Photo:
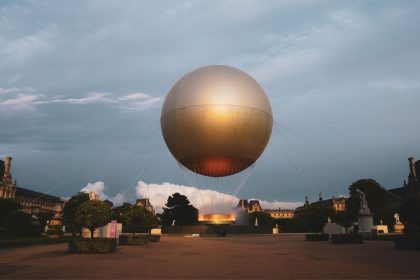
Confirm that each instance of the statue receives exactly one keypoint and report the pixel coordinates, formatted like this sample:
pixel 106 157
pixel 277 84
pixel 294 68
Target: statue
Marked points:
pixel 93 196
pixel 397 219
pixel 364 208
pixel 398 226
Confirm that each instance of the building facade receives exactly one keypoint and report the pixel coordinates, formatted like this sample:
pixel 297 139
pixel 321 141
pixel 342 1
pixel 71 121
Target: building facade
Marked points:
pixel 338 204
pixel 145 203
pixel 30 201
pixel 411 186
pixel 255 206
pixel 281 213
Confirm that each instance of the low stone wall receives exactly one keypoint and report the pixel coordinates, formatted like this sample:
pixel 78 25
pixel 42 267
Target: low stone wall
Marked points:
pixel 216 229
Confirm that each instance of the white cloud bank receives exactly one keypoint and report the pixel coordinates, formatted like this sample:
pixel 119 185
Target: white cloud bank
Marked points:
pixel 207 201
pixel 19 99
pixel 99 188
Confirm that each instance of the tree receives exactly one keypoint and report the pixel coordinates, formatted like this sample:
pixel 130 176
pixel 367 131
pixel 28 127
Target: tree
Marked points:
pixel 378 198
pixel 345 218
pixel 7 208
pixel 139 219
pixel 314 217
pixel 93 214
pixel 178 208
pixel 69 211
pixel 20 225
pixel 410 214
pixel 119 214
pixel 44 217
pixel 264 219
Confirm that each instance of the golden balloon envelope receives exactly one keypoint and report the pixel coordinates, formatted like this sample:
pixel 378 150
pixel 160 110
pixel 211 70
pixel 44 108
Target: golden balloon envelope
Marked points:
pixel 216 120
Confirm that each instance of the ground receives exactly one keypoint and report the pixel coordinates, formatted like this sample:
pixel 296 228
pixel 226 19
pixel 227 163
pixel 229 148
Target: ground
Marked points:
pixel 245 257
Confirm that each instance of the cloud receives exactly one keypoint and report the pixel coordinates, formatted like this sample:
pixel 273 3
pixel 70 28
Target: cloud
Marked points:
pixel 99 188
pixel 207 201
pixel 18 99
pixel 28 98
pixel 90 98
pixel 138 101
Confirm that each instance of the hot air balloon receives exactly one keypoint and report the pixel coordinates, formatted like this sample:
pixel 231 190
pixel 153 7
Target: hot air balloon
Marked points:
pixel 216 121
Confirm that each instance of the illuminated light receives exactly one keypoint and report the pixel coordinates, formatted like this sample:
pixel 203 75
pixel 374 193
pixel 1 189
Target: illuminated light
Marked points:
pixel 217 219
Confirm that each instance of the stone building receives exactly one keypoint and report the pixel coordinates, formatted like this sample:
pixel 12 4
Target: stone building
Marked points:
pixel 255 206
pixel 339 204
pixel 411 186
pixel 31 201
pixel 281 213
pixel 145 202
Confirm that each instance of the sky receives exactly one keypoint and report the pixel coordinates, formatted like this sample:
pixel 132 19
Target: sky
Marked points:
pixel 82 84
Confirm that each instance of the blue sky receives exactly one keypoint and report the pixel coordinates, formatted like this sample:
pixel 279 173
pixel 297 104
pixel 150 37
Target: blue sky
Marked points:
pixel 82 84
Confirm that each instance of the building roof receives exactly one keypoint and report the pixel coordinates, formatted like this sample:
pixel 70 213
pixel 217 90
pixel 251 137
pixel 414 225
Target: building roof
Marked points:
pixel 22 192
pixel 1 170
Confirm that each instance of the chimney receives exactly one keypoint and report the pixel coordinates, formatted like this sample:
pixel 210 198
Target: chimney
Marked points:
pixel 8 165
pixel 412 178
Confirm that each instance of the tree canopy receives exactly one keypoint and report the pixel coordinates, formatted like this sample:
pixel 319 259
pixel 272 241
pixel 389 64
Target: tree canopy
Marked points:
pixel 14 222
pixel 93 214
pixel 264 219
pixel 7 208
pixel 410 214
pixel 179 209
pixel 69 211
pixel 314 217
pixel 139 219
pixel 378 198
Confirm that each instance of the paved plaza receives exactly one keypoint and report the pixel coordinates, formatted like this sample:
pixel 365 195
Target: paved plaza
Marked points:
pixel 244 257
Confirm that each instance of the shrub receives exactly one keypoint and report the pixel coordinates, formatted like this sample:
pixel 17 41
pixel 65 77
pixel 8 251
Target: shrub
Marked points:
pixel 134 240
pixel 55 230
pixel 92 245
pixel 317 237
pixel 347 238
pixel 408 241
pixel 5 243
pixel 385 237
pixel 154 238
pixel 19 224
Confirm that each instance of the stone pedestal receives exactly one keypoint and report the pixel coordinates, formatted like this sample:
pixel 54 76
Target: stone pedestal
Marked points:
pixel 399 228
pixel 365 223
pixel 380 228
pixel 333 228
pixel 55 226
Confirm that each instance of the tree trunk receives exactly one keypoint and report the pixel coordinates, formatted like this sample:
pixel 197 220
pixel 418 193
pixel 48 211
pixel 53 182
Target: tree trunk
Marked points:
pixel 91 233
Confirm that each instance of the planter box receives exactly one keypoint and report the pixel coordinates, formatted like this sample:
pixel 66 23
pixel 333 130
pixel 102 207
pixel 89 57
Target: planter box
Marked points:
pixel 133 240
pixel 316 237
pixel 347 238
pixel 5 243
pixel 92 245
pixel 154 238
pixel 410 241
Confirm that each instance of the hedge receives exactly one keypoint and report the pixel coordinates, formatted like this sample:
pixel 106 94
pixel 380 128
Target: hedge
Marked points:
pixel 137 240
pixel 347 238
pixel 317 237
pixel 5 243
pixel 154 238
pixel 408 241
pixel 134 240
pixel 95 245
